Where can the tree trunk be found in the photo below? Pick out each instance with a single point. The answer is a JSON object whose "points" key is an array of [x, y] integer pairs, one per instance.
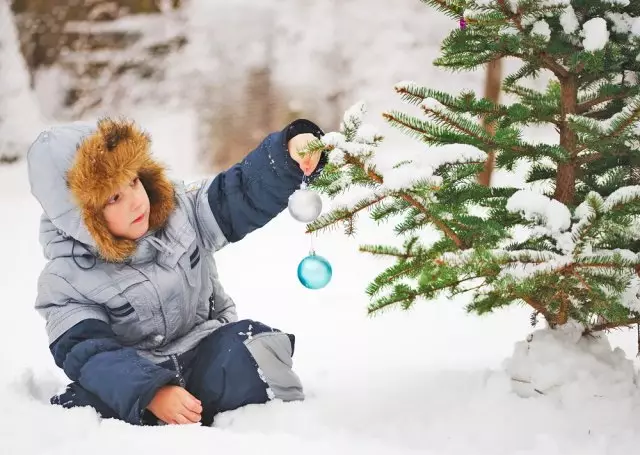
{"points": [[19, 110], [566, 176], [492, 89], [98, 61]]}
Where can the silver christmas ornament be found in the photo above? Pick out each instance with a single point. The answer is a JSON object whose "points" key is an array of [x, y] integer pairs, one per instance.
{"points": [[305, 205]]}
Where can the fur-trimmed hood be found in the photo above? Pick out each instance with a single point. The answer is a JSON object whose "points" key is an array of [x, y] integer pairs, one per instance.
{"points": [[75, 168]]}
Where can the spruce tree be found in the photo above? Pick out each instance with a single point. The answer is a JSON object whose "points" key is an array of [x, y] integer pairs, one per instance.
{"points": [[566, 242]]}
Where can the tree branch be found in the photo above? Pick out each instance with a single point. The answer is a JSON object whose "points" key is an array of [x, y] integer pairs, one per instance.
{"points": [[611, 325], [596, 156], [563, 312], [632, 119], [411, 200], [548, 61], [439, 223], [350, 214], [485, 140], [539, 308], [587, 105], [365, 249]]}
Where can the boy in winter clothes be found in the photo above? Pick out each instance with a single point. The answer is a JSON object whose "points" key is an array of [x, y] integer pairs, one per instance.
{"points": [[135, 313]]}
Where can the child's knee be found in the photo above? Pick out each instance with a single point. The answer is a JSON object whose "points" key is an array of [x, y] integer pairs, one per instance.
{"points": [[272, 352], [257, 364], [247, 329]]}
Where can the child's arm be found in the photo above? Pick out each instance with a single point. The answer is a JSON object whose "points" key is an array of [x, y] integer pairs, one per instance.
{"points": [[85, 347], [248, 195]]}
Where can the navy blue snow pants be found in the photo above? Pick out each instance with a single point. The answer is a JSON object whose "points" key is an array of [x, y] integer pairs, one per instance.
{"points": [[225, 371]]}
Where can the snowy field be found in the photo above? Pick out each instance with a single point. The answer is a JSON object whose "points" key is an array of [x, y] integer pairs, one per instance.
{"points": [[430, 380]]}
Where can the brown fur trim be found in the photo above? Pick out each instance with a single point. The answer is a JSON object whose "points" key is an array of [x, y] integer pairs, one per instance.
{"points": [[104, 161]]}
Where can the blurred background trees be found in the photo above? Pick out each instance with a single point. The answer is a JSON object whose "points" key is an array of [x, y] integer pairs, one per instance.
{"points": [[241, 68]]}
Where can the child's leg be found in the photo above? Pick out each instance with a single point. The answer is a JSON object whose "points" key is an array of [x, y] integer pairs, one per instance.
{"points": [[245, 362], [76, 396]]}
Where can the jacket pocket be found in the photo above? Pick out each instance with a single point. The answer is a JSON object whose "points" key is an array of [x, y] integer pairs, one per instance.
{"points": [[130, 313]]}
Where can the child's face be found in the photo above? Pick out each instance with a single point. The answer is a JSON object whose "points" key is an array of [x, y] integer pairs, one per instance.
{"points": [[127, 211]]}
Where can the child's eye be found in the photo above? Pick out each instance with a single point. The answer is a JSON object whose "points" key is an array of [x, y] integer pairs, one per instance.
{"points": [[113, 199], [135, 181]]}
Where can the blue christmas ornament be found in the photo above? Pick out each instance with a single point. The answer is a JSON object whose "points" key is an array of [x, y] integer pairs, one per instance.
{"points": [[314, 272]]}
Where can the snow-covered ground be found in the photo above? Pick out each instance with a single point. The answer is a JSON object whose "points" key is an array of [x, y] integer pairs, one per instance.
{"points": [[430, 380]]}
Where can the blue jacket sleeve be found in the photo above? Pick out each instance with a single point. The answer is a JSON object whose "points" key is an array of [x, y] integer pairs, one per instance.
{"points": [[89, 354], [251, 193]]}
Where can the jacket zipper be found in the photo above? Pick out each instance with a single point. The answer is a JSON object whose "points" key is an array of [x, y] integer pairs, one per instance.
{"points": [[160, 301], [178, 372]]}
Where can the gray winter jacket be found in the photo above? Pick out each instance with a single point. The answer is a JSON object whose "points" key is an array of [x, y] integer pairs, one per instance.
{"points": [[166, 297]]}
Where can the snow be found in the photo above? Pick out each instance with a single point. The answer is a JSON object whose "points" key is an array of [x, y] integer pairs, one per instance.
{"points": [[554, 220], [367, 133], [405, 85], [595, 34], [618, 2], [631, 296], [406, 176], [542, 28], [607, 126], [569, 21], [570, 368], [621, 196], [336, 157], [354, 115], [431, 104], [635, 27], [513, 4], [535, 206], [334, 139], [622, 23]]}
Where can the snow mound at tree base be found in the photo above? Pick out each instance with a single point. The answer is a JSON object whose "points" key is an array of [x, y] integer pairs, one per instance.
{"points": [[564, 364]]}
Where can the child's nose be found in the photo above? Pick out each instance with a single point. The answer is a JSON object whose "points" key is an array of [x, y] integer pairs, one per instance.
{"points": [[135, 201]]}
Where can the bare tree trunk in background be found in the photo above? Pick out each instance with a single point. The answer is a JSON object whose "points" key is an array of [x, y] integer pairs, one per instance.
{"points": [[238, 118], [19, 109], [74, 36], [42, 23], [242, 104], [493, 84], [338, 62]]}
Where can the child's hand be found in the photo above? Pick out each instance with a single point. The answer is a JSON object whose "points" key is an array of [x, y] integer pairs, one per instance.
{"points": [[174, 405], [310, 161]]}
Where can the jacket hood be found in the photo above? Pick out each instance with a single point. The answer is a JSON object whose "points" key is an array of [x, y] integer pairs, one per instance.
{"points": [[74, 169]]}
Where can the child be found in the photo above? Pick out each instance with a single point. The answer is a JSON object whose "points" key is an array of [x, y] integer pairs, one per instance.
{"points": [[135, 313]]}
